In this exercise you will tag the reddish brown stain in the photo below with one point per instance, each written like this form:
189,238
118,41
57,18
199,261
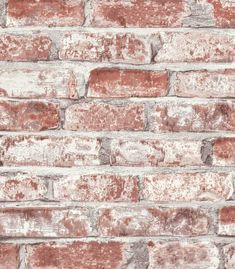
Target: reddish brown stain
210,117
44,12
91,255
176,221
108,82
224,149
105,117
24,47
138,13
225,16
9,256
178,254
227,215
29,116
109,47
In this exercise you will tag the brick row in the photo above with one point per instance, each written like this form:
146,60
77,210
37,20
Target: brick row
69,151
116,187
105,13
121,47
107,83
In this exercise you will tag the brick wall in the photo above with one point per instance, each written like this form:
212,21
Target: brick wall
117,134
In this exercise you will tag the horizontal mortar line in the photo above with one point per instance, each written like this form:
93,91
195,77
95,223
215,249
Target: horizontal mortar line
123,100
181,66
34,240
123,134
99,205
93,29
91,65
104,169
114,134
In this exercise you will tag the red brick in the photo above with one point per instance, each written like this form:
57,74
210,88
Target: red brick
224,12
41,12
97,187
22,187
182,255
205,83
84,255
24,47
9,256
142,221
152,13
49,151
29,116
45,222
193,116
105,117
194,46
229,256
150,152
124,83
105,47
188,186
227,221
223,151
36,83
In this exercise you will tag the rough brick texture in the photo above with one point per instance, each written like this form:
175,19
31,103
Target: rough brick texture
30,116
153,221
24,47
45,222
22,187
87,255
105,47
183,255
51,13
105,117
36,83
97,187
188,187
121,83
194,46
229,256
227,220
9,256
117,134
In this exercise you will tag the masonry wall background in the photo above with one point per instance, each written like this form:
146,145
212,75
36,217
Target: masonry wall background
117,134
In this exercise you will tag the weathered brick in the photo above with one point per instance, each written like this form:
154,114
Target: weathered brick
124,83
193,116
183,255
9,256
137,13
194,46
142,221
227,221
45,222
33,47
86,255
229,256
105,117
190,186
41,12
105,47
22,187
97,187
38,150
35,83
205,83
224,12
150,152
29,116
223,151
